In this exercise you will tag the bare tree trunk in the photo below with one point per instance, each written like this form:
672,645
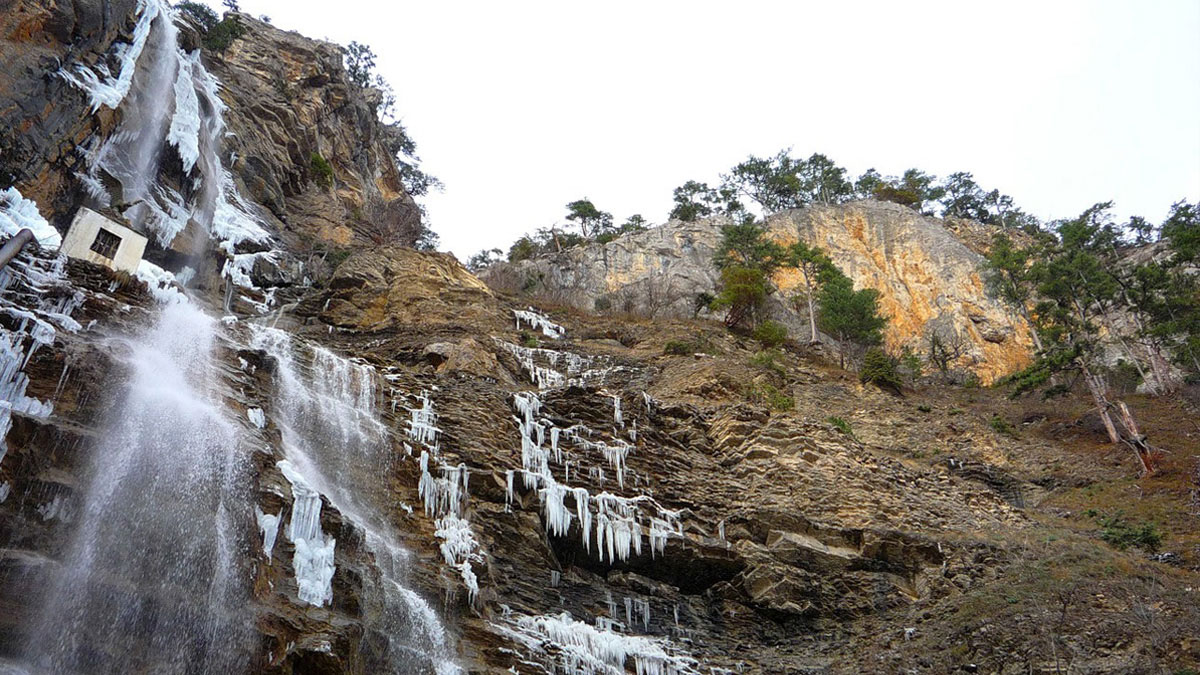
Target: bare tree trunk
1097,388
1132,436
1037,340
812,313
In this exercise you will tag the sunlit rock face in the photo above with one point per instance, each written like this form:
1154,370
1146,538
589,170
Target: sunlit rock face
928,279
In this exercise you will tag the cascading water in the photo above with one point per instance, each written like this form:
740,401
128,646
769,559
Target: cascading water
154,577
336,446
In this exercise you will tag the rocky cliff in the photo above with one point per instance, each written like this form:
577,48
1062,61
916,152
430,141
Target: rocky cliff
287,100
394,468
929,280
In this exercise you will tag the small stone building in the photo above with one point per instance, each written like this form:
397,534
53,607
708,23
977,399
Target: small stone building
97,239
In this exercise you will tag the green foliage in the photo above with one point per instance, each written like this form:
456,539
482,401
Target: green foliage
484,259
767,394
221,36
703,301
880,369
698,345
1123,534
321,170
850,316
590,220
695,200
771,334
528,339
915,189
910,365
602,304
1002,426
201,12
678,348
743,293
746,245
769,359
360,64
841,425
783,182
924,407
522,249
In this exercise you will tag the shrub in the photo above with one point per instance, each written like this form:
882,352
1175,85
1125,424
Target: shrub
1122,534
602,304
768,359
528,340
321,169
698,345
841,425
219,37
201,13
678,348
770,333
880,369
924,408
1001,426
770,396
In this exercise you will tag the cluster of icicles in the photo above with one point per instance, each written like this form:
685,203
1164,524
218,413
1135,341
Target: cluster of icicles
36,300
581,649
444,495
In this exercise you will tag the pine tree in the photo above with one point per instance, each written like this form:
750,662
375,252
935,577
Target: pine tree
851,317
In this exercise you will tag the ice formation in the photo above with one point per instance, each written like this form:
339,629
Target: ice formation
104,88
257,418
325,408
560,368
539,321
36,301
313,556
445,495
162,284
17,212
577,648
618,523
168,99
269,525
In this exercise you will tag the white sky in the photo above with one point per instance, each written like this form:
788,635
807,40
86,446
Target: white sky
520,107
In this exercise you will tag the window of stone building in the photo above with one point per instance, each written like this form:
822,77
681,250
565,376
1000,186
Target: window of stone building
106,243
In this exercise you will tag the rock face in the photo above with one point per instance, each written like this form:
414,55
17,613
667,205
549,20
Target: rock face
289,101
289,98
928,280
43,118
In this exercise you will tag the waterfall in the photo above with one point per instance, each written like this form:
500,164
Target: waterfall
334,445
167,99
155,576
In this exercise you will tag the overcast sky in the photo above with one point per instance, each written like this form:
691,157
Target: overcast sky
520,107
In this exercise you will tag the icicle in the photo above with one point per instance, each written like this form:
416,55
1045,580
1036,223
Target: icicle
536,320
269,524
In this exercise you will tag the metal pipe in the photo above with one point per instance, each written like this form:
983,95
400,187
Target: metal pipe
13,246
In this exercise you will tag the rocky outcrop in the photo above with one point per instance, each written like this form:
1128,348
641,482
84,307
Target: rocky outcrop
394,286
289,99
43,118
928,279
291,111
